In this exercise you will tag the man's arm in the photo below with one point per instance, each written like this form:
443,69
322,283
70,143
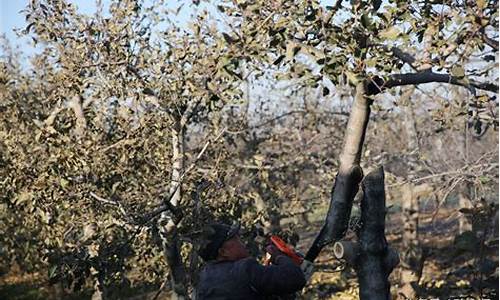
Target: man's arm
281,278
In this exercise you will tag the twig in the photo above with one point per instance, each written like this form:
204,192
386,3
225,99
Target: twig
166,200
99,64
111,202
461,172
102,199
440,203
162,286
123,141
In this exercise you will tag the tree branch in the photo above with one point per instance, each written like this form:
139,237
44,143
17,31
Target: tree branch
377,84
490,42
348,177
343,114
400,54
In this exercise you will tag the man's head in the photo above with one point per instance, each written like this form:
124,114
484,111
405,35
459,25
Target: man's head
224,244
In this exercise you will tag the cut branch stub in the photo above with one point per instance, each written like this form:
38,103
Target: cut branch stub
371,257
347,251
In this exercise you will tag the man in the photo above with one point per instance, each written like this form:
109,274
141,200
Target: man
230,272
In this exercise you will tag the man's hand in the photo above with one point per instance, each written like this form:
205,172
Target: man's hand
273,252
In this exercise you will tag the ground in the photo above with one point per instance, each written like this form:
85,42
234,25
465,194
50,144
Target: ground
448,273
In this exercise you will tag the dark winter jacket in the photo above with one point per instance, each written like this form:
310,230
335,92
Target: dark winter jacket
246,279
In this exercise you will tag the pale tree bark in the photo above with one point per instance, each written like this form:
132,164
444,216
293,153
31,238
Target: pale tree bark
77,106
167,225
412,252
464,201
411,244
464,195
413,256
356,131
348,177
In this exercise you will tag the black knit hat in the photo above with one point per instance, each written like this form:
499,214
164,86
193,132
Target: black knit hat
217,234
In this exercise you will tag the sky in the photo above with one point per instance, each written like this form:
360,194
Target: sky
11,17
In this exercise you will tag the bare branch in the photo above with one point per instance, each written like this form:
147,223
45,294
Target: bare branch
490,42
343,114
102,64
166,205
400,54
111,202
98,198
377,84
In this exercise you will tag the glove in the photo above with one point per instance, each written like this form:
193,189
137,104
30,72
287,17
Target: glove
273,252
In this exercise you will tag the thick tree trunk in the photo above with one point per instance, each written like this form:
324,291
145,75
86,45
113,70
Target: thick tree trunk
168,227
412,251
348,177
412,255
464,196
371,257
376,260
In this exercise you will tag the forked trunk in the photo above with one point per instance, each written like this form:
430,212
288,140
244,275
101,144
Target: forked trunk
371,257
348,177
168,228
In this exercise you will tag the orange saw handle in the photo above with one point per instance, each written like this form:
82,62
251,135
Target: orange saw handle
286,249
